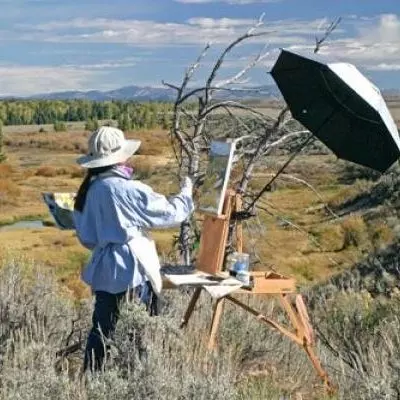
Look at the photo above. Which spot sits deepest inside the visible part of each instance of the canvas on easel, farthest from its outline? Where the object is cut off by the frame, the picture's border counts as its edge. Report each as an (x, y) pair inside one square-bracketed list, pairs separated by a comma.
[(61, 207), (215, 232), (213, 190)]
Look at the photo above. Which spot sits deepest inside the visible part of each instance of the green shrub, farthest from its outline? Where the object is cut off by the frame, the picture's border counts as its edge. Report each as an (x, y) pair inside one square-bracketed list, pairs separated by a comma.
[(149, 358), (355, 232), (362, 343), (59, 126), (91, 125)]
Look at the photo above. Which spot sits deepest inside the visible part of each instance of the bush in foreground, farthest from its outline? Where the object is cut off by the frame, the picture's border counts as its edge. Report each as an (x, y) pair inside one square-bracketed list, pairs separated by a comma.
[(150, 358)]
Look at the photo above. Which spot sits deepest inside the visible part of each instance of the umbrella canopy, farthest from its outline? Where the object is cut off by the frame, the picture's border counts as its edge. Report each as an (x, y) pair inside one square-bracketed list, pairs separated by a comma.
[(340, 106)]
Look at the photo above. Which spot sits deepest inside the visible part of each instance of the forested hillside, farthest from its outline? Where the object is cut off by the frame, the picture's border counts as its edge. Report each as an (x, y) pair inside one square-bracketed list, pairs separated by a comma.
[(129, 114)]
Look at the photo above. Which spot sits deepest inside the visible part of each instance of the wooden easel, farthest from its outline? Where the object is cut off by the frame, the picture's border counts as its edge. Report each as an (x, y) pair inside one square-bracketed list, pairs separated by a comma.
[(211, 258)]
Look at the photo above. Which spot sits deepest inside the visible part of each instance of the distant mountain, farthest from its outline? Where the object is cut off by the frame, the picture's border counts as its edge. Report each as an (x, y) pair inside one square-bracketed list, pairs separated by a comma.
[(124, 93), (148, 93)]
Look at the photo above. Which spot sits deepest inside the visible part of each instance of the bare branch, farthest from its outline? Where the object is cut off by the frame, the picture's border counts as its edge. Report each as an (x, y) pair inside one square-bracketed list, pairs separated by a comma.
[(333, 25), (214, 88), (178, 158), (180, 135), (170, 85), (193, 68), (189, 115), (234, 104), (249, 34), (220, 60), (241, 73), (238, 121), (259, 150), (188, 143), (259, 23), (281, 117), (188, 75), (282, 139)]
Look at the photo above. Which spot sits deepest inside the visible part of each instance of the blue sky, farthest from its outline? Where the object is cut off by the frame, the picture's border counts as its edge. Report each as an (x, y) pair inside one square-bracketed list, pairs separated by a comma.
[(49, 45)]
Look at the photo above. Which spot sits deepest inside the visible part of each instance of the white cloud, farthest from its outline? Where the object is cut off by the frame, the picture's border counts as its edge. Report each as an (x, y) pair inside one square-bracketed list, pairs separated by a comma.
[(385, 67), (138, 32), (370, 43), (376, 46), (387, 30), (221, 22), (104, 65), (28, 80), (195, 31)]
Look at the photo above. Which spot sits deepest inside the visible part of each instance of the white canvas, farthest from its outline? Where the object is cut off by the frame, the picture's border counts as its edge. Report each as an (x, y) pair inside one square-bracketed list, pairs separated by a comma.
[(213, 190)]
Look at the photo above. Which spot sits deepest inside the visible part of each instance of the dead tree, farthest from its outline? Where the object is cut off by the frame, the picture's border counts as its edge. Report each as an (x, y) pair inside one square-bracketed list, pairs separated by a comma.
[(197, 108)]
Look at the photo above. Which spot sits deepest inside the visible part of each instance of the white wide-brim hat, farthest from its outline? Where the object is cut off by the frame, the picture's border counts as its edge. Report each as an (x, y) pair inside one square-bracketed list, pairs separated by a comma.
[(108, 146)]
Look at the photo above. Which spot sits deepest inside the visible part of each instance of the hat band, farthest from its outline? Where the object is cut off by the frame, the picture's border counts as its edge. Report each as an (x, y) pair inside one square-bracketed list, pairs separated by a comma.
[(107, 154)]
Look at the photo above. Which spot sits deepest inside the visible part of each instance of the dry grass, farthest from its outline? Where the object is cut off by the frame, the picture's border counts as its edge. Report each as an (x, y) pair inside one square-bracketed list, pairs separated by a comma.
[(355, 232), (18, 129), (9, 192), (381, 235), (48, 171), (143, 168), (55, 141), (154, 143), (342, 193), (56, 250), (5, 170), (358, 343)]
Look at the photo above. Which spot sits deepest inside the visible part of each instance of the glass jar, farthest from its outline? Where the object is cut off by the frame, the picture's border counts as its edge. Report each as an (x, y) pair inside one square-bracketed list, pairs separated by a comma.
[(238, 265)]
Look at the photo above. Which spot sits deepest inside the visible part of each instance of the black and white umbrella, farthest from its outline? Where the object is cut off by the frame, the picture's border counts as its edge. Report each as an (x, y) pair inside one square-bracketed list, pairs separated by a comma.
[(340, 106)]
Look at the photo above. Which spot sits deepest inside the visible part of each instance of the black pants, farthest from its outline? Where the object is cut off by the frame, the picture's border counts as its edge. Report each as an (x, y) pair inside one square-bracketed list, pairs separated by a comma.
[(104, 319)]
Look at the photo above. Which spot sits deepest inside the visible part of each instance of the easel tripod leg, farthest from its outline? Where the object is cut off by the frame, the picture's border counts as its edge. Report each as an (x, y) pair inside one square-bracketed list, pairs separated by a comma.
[(309, 349), (304, 332), (216, 319), (190, 309), (292, 314)]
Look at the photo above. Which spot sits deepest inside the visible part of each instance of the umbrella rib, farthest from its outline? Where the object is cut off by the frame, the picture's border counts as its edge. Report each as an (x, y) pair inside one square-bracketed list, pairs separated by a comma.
[(344, 105)]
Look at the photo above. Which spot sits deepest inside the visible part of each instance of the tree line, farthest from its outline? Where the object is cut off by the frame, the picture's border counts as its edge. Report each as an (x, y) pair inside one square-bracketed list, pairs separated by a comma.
[(129, 114)]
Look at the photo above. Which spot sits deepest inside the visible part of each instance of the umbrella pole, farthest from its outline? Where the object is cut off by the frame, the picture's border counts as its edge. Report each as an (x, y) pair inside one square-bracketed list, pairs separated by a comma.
[(267, 186)]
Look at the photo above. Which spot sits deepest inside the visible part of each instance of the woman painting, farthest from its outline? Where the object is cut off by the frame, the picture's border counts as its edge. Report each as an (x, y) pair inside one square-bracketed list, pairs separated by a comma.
[(112, 213)]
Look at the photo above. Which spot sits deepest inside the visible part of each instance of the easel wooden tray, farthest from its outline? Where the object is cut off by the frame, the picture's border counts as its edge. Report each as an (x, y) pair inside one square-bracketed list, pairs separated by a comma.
[(263, 283), (269, 283)]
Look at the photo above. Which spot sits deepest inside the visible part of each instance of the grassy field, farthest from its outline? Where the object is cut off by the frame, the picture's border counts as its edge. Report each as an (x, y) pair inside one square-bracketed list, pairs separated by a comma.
[(295, 234)]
